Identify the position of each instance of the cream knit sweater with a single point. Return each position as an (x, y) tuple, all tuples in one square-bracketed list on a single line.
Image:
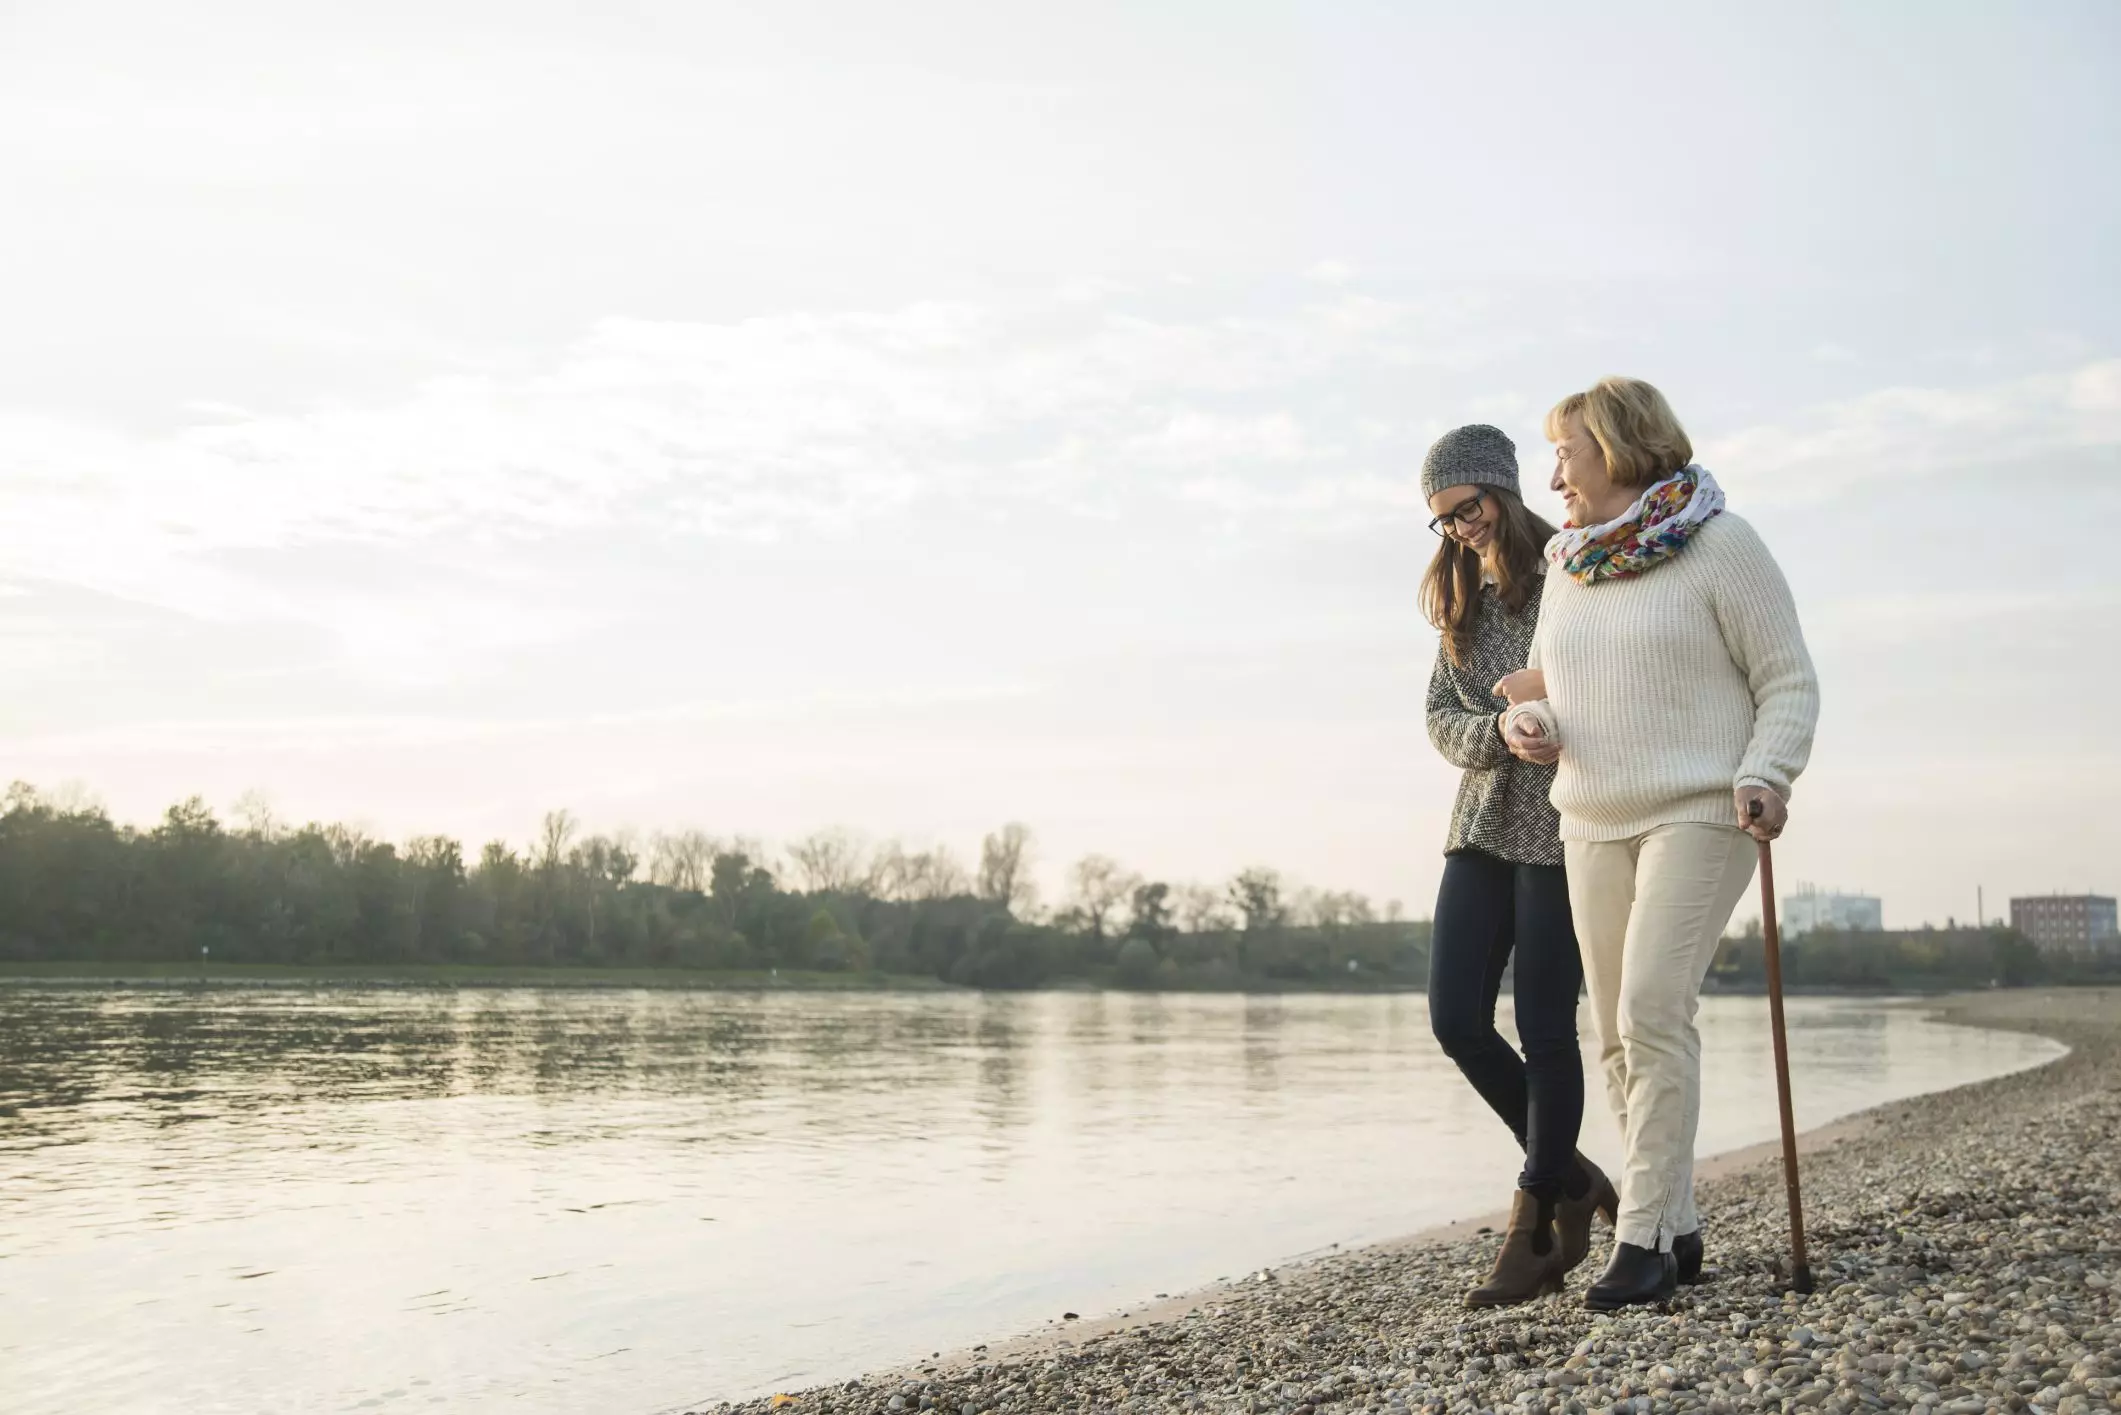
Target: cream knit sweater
[(1673, 687)]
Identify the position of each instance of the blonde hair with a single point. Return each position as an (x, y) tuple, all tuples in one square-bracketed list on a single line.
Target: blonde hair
[(1633, 426)]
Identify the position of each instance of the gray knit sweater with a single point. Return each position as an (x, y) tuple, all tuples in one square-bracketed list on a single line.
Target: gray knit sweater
[(1502, 807)]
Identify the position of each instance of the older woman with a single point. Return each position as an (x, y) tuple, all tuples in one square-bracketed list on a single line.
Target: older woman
[(1683, 703)]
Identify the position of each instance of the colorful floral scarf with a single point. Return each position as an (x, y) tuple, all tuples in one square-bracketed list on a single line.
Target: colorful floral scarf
[(1656, 528)]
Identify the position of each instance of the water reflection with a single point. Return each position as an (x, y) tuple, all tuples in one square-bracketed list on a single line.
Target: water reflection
[(272, 1200)]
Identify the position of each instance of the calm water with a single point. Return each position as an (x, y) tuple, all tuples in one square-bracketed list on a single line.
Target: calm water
[(329, 1200)]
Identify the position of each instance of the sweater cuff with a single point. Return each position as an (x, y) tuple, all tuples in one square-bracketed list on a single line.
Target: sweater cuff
[(1775, 786)]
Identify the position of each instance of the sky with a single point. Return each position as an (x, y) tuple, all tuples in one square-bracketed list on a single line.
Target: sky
[(916, 418)]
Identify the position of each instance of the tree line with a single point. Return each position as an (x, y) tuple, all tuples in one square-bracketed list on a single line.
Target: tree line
[(1887, 960), (76, 886)]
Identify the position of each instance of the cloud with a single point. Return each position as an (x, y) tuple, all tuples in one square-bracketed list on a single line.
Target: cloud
[(1194, 438), (1868, 620), (752, 429), (670, 435), (1330, 272), (1503, 407), (1910, 433), (324, 734), (2095, 391), (1090, 290), (459, 528), (1322, 497)]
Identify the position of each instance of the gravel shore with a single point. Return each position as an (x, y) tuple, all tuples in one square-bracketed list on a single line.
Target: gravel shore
[(1966, 1247)]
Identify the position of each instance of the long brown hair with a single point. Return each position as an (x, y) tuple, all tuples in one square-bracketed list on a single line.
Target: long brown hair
[(1451, 589)]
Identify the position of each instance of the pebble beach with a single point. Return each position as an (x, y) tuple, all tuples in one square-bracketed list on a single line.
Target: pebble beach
[(1965, 1245)]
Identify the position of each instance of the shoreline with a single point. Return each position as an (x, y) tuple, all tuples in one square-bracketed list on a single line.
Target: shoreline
[(1049, 1341), (1380, 1327), (450, 975), (412, 976), (467, 975)]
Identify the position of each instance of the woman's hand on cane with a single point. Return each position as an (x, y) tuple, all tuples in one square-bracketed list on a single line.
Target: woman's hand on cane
[(1761, 813)]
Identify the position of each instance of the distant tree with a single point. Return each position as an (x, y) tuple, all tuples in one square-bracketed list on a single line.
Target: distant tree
[(495, 857), (606, 860), (2018, 961), (191, 819), (1330, 909), (1256, 894), (823, 944), (602, 865), (829, 861), (891, 872), (681, 861), (555, 833), (1097, 885), (936, 874), (1005, 869), (257, 817), (1150, 913), (434, 879), (1202, 909), (737, 887)]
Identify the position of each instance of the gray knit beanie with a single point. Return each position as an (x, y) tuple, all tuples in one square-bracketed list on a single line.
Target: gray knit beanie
[(1478, 455)]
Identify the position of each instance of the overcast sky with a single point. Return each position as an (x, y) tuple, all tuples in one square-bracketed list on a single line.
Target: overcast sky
[(919, 417)]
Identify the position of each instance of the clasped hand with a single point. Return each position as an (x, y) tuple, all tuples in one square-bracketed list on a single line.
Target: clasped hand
[(1526, 685)]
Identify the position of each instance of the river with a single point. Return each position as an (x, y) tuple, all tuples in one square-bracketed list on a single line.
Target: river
[(534, 1200)]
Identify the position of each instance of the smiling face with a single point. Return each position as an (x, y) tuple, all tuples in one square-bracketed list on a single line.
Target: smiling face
[(1466, 514), (1583, 479), (1612, 441)]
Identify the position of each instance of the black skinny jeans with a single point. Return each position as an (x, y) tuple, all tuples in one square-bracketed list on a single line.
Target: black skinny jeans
[(1485, 908)]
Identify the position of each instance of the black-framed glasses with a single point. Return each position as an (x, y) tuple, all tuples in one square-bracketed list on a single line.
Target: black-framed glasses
[(1465, 513)]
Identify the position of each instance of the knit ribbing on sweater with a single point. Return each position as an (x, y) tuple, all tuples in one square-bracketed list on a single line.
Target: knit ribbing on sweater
[(1673, 687)]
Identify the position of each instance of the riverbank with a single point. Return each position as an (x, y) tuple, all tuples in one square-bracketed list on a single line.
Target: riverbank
[(1967, 1247), (469, 975), (452, 975)]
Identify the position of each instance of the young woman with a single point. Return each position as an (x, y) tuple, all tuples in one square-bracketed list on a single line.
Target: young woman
[(1503, 887), (1683, 700)]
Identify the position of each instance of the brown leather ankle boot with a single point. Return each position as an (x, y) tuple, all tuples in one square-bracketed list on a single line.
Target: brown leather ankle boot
[(1572, 1217), (1529, 1264)]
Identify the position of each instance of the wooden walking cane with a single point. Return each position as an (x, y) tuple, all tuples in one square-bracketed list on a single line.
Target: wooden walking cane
[(1772, 936)]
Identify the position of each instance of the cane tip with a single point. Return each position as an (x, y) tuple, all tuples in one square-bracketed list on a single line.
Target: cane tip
[(1803, 1284)]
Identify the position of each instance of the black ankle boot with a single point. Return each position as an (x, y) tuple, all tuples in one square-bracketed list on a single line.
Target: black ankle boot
[(1634, 1276), (1686, 1252)]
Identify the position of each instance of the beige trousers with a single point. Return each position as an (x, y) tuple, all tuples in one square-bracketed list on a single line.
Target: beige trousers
[(1649, 912)]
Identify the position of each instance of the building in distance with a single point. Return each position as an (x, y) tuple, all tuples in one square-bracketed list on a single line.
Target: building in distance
[(2078, 925), (1814, 908)]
